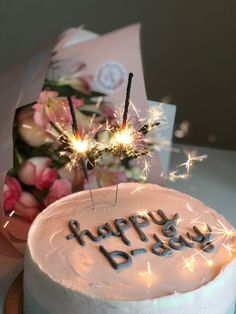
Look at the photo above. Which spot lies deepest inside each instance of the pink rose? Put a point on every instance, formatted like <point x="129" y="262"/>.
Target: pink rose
<point x="75" y="176"/>
<point x="27" y="206"/>
<point x="30" y="132"/>
<point x="11" y="193"/>
<point x="23" y="203"/>
<point x="59" y="189"/>
<point x="35" y="171"/>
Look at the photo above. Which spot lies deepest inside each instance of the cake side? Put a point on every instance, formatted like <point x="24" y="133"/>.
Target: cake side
<point x="151" y="282"/>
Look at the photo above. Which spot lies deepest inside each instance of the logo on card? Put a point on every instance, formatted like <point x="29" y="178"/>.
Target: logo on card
<point x="110" y="76"/>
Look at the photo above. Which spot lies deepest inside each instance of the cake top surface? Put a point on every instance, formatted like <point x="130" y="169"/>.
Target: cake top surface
<point x="184" y="244"/>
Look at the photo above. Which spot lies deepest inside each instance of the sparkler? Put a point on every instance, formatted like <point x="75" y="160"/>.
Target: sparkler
<point x="125" y="136"/>
<point x="76" y="148"/>
<point x="81" y="147"/>
<point x="127" y="141"/>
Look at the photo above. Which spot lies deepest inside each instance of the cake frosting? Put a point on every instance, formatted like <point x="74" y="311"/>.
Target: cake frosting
<point x="156" y="251"/>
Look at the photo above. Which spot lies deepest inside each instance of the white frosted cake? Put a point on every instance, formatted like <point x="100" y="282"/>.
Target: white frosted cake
<point x="157" y="251"/>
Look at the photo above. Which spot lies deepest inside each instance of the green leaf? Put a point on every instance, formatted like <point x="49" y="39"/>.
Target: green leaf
<point x="17" y="160"/>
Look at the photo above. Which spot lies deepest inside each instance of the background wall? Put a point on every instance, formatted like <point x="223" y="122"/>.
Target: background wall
<point x="189" y="51"/>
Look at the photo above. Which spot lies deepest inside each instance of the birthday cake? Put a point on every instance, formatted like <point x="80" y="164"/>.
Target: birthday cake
<point x="156" y="251"/>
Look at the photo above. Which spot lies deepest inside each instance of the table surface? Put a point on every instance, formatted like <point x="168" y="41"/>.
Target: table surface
<point x="213" y="181"/>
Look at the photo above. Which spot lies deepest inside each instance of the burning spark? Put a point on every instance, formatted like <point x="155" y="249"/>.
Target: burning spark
<point x="143" y="213"/>
<point x="145" y="171"/>
<point x="203" y="227"/>
<point x="11" y="213"/>
<point x="179" y="220"/>
<point x="189" y="263"/>
<point x="139" y="188"/>
<point x="224" y="231"/>
<point x="209" y="262"/>
<point x="189" y="207"/>
<point x="124" y="137"/>
<point x="229" y="248"/>
<point x="191" y="159"/>
<point x="79" y="145"/>
<point x="6" y="223"/>
<point x="175" y="175"/>
<point x="148" y="272"/>
<point x="156" y="114"/>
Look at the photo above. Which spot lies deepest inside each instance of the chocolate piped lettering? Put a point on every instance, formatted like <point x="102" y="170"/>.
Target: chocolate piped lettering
<point x="112" y="255"/>
<point x="203" y="239"/>
<point x="180" y="243"/>
<point x="74" y="227"/>
<point x="89" y="235"/>
<point x="104" y="232"/>
<point x="159" y="248"/>
<point x="138" y="251"/>
<point x="156" y="221"/>
<point x="122" y="224"/>
<point x="168" y="229"/>
<point x="138" y="225"/>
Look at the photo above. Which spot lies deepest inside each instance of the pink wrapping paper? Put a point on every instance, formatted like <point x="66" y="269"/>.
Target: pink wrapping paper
<point x="109" y="59"/>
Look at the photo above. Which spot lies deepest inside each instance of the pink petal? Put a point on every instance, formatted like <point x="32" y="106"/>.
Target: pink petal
<point x="27" y="173"/>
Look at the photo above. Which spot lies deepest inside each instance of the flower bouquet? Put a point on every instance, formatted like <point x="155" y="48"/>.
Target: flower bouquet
<point x="43" y="170"/>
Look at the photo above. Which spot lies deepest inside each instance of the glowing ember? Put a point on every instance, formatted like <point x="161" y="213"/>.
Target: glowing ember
<point x="191" y="159"/>
<point x="11" y="213"/>
<point x="189" y="263"/>
<point x="229" y="248"/>
<point x="79" y="145"/>
<point x="6" y="223"/>
<point x="148" y="273"/>
<point x="209" y="262"/>
<point x="189" y="207"/>
<point x="124" y="137"/>
<point x="143" y="213"/>
<point x="175" y="175"/>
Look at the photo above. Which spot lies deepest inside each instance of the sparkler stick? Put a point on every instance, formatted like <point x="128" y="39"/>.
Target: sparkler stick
<point x="124" y="121"/>
<point x="82" y="161"/>
<point x="126" y="108"/>
<point x="74" y="121"/>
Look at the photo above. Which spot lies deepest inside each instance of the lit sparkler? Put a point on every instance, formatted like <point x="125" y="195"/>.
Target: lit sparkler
<point x="127" y="140"/>
<point x="76" y="148"/>
<point x="123" y="139"/>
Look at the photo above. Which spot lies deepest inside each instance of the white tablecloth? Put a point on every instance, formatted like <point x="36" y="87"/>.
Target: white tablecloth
<point x="213" y="181"/>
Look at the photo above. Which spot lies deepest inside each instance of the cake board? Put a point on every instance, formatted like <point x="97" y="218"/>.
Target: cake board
<point x="14" y="300"/>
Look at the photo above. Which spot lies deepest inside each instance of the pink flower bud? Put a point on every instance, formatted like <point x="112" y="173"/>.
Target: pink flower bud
<point x="11" y="193"/>
<point x="27" y="206"/>
<point x="35" y="171"/>
<point x="59" y="189"/>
